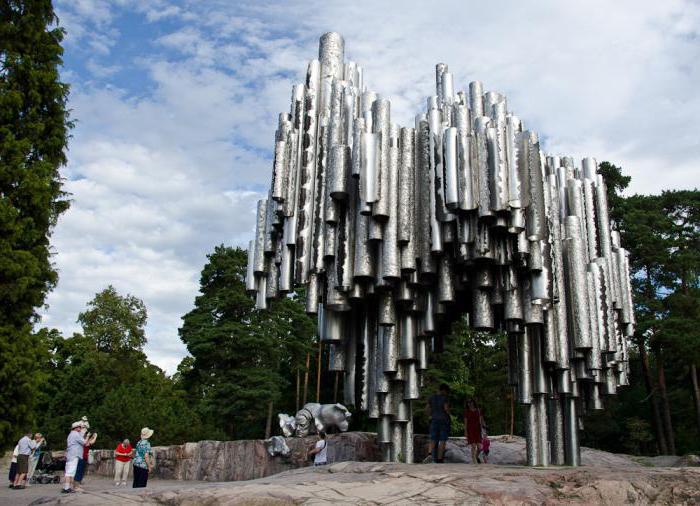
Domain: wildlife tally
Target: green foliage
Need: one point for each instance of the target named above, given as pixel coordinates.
(33, 135)
(116, 387)
(473, 364)
(113, 322)
(242, 358)
(662, 234)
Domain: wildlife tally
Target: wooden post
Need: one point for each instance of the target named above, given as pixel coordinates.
(306, 376)
(298, 387)
(268, 425)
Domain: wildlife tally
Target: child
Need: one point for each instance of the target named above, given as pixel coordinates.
(485, 446)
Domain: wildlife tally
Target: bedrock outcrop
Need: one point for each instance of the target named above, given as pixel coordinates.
(375, 483)
(248, 459)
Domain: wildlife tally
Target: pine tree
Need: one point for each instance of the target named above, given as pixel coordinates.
(243, 358)
(34, 128)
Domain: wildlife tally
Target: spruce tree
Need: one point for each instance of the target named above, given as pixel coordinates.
(34, 128)
(242, 359)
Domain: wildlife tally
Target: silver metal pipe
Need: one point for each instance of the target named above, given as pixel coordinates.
(407, 336)
(577, 292)
(407, 192)
(381, 118)
(450, 156)
(524, 368)
(571, 442)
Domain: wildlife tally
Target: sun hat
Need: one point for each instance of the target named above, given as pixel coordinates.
(75, 425)
(146, 433)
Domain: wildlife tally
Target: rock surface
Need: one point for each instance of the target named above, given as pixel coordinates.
(244, 459)
(248, 459)
(373, 483)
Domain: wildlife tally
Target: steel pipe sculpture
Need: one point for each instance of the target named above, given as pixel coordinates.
(397, 231)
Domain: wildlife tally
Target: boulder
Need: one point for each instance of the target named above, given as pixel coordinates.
(244, 459)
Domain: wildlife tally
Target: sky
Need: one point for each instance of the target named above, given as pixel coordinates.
(176, 103)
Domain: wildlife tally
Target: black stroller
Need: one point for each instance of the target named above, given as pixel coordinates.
(48, 469)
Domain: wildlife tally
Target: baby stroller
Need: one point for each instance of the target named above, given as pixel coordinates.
(48, 469)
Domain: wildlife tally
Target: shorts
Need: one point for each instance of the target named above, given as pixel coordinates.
(22, 464)
(71, 467)
(439, 430)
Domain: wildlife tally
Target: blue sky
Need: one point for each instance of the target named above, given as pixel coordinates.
(176, 103)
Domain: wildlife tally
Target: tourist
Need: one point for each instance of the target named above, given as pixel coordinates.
(439, 412)
(320, 452)
(74, 450)
(122, 462)
(13, 467)
(485, 446)
(25, 447)
(36, 455)
(83, 462)
(143, 459)
(473, 423)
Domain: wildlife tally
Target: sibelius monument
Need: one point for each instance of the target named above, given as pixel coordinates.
(398, 231)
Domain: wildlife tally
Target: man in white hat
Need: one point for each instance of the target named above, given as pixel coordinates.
(74, 450)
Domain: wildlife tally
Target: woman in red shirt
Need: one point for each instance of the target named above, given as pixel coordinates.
(122, 461)
(473, 422)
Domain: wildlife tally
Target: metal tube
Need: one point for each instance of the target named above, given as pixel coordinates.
(577, 292)
(556, 431)
(450, 148)
(571, 442)
(407, 337)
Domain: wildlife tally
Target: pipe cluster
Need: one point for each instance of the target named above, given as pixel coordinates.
(396, 232)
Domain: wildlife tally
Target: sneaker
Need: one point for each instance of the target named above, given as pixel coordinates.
(19, 487)
(67, 490)
(12, 485)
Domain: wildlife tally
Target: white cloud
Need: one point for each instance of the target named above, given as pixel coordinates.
(162, 173)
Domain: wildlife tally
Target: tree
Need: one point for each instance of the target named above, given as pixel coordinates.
(115, 323)
(34, 128)
(473, 364)
(662, 233)
(103, 373)
(242, 358)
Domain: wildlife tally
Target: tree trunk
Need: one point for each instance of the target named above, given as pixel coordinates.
(668, 424)
(268, 424)
(653, 401)
(696, 391)
(318, 372)
(306, 377)
(298, 387)
(512, 411)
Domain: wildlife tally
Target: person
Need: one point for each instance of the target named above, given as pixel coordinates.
(143, 459)
(13, 467)
(439, 412)
(473, 423)
(83, 462)
(74, 450)
(25, 447)
(122, 462)
(36, 454)
(320, 450)
(485, 446)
